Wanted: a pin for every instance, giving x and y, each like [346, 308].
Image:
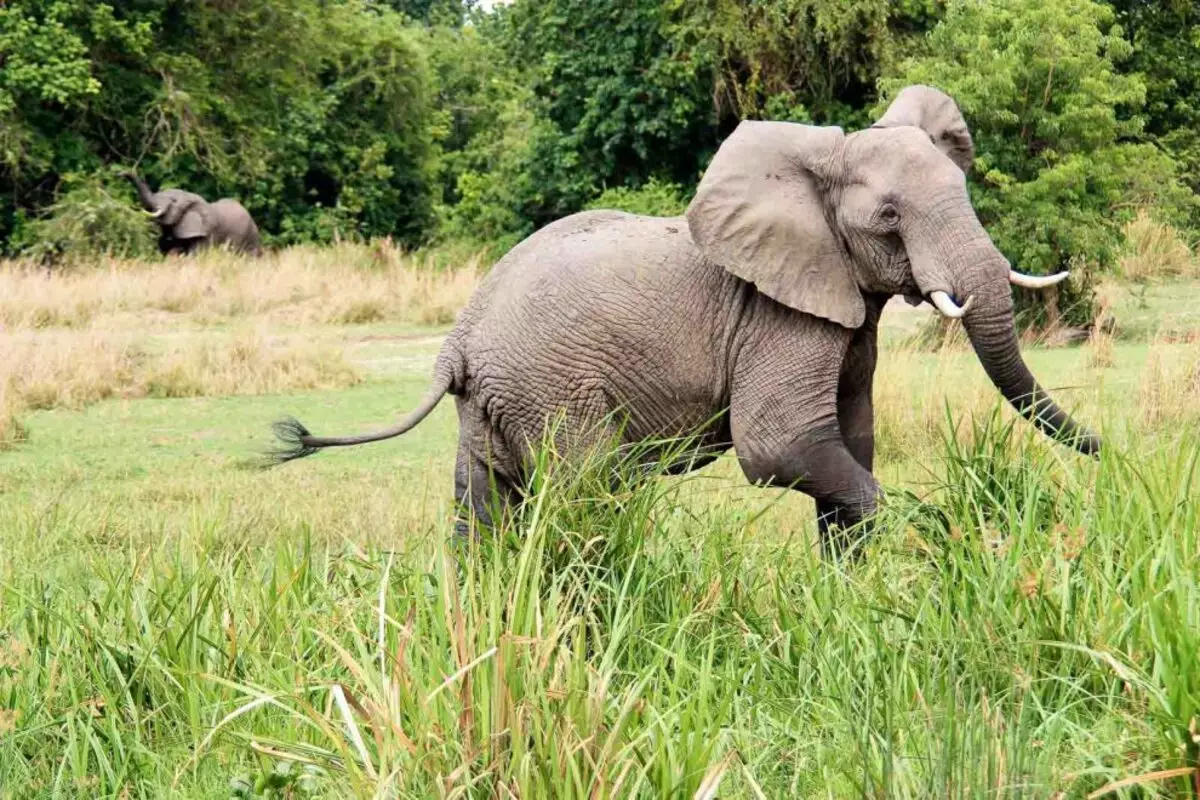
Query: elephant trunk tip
[293, 437]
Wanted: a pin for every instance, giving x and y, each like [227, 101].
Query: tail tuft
[291, 434]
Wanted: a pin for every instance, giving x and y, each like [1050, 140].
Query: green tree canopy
[315, 113]
[1060, 160]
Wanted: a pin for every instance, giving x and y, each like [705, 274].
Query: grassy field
[174, 622]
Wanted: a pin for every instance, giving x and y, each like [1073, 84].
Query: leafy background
[435, 122]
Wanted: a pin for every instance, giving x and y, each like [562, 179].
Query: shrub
[87, 222]
[655, 198]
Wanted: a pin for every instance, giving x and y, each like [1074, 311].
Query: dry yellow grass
[1169, 392]
[12, 432]
[80, 336]
[343, 285]
[1156, 250]
[912, 396]
[72, 369]
[1100, 343]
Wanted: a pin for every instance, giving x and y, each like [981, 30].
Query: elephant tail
[297, 442]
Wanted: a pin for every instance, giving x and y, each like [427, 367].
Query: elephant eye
[889, 214]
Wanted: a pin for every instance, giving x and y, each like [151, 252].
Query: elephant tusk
[1034, 281]
[155, 214]
[945, 304]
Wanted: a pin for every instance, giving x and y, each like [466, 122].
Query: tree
[1166, 50]
[1060, 163]
[628, 93]
[314, 113]
[621, 97]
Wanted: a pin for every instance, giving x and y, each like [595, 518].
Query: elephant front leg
[855, 412]
[821, 466]
[787, 430]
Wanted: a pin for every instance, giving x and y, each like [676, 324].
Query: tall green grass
[1031, 626]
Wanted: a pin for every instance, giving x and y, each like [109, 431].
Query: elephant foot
[844, 531]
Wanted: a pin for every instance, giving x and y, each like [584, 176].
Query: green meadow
[175, 622]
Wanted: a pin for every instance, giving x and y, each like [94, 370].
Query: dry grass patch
[346, 284]
[1169, 392]
[67, 369]
[12, 431]
[1100, 342]
[913, 391]
[1156, 250]
[247, 364]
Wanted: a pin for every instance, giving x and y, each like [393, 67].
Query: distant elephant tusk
[948, 307]
[1034, 281]
[155, 214]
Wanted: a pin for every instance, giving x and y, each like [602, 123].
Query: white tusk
[1034, 281]
[948, 307]
[155, 214]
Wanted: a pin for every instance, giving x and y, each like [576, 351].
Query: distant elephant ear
[936, 113]
[192, 224]
[758, 212]
[185, 215]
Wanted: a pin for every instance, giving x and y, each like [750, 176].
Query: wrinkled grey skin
[187, 221]
[759, 308]
[938, 115]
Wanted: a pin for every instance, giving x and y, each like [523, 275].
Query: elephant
[188, 222]
[758, 309]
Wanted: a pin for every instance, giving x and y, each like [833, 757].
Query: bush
[87, 222]
[1057, 172]
[654, 199]
[315, 115]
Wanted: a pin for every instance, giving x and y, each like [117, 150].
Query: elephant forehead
[892, 154]
[179, 195]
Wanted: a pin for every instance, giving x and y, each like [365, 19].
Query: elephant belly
[579, 411]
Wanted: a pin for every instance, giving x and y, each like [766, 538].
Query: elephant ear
[758, 213]
[186, 216]
[936, 113]
[193, 224]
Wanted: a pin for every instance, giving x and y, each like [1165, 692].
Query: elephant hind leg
[481, 496]
[485, 488]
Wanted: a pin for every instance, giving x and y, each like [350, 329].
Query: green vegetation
[435, 122]
[174, 622]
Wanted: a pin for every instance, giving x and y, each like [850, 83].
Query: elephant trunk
[992, 330]
[145, 196]
[957, 266]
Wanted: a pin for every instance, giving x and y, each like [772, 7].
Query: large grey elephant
[187, 221]
[759, 308]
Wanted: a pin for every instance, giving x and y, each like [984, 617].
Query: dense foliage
[316, 115]
[433, 120]
[1060, 165]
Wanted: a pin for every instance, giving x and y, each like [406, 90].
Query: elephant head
[816, 218]
[182, 215]
[936, 113]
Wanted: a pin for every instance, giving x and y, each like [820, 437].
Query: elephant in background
[188, 222]
[758, 308]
